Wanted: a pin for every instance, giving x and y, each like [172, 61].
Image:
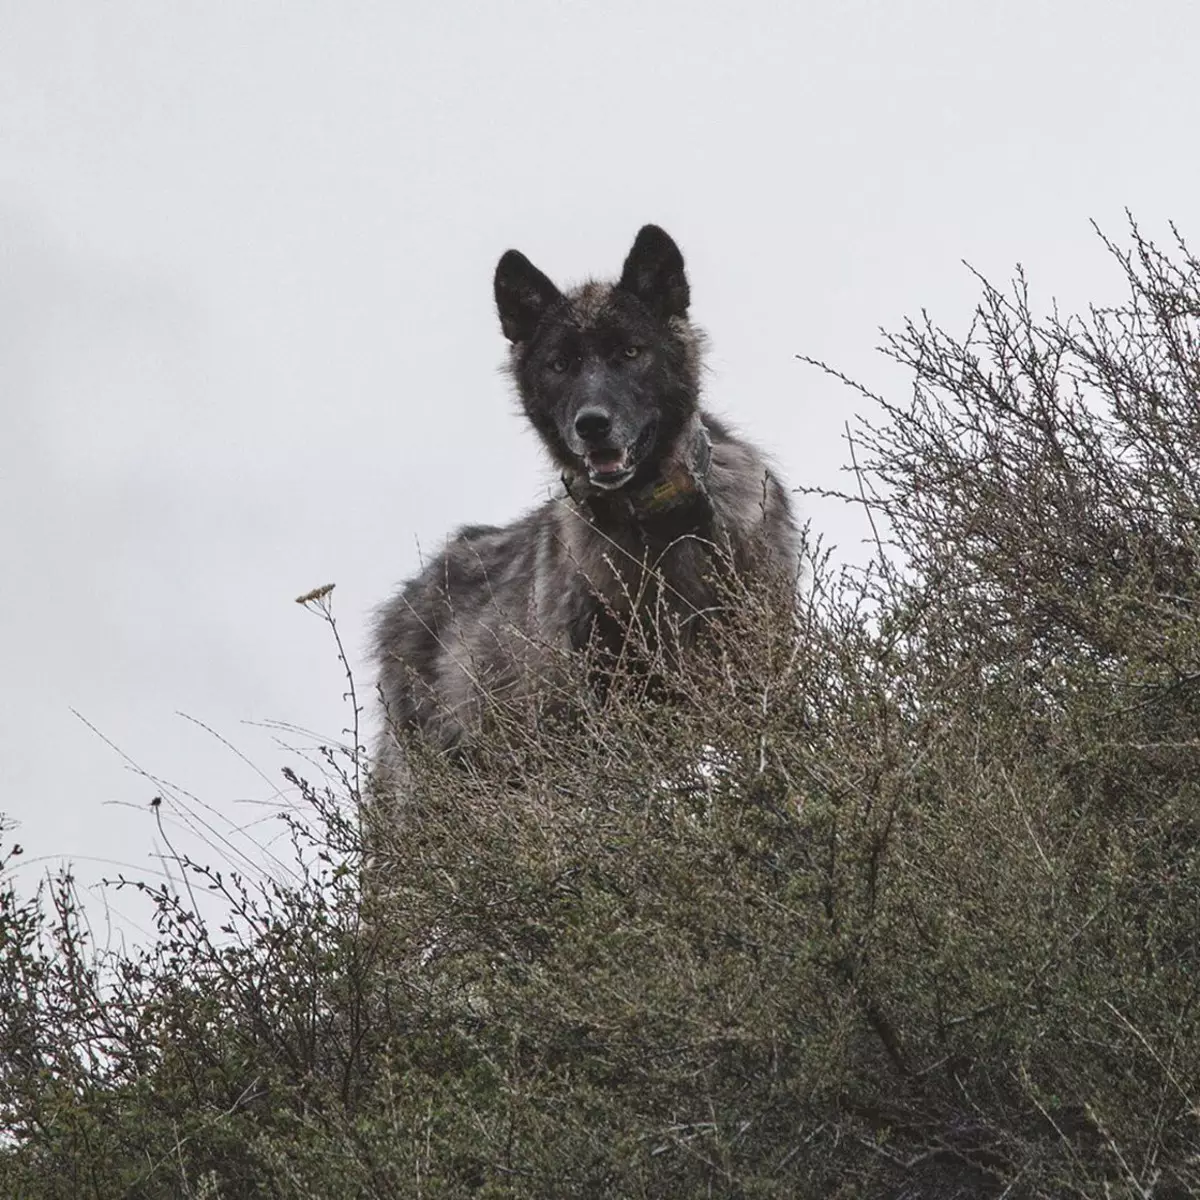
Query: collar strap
[681, 483]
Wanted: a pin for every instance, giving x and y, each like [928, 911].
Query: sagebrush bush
[895, 895]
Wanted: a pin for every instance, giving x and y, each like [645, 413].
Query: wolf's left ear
[654, 273]
[523, 294]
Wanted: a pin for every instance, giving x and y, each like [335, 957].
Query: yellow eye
[632, 351]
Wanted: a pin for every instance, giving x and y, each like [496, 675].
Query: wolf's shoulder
[732, 450]
[473, 553]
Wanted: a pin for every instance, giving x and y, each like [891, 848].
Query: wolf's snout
[593, 424]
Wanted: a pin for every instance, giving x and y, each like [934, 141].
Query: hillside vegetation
[896, 896]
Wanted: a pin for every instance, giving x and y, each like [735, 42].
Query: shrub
[895, 896]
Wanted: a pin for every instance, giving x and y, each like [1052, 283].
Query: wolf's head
[608, 373]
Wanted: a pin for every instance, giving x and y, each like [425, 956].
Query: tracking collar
[681, 483]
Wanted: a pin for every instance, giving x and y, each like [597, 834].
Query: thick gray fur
[609, 375]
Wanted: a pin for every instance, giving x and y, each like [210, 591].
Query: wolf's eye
[560, 364]
[632, 351]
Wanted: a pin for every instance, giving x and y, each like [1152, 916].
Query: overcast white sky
[247, 343]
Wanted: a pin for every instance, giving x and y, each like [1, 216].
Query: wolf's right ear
[654, 273]
[523, 294]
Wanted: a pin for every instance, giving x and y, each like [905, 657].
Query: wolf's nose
[592, 424]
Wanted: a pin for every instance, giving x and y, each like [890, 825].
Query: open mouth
[611, 467]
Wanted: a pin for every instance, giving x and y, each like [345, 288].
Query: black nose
[592, 424]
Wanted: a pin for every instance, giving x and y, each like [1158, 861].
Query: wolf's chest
[647, 584]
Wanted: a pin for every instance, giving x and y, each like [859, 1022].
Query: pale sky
[247, 343]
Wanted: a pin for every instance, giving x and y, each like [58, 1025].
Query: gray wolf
[660, 499]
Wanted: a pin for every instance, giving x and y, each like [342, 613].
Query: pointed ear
[654, 273]
[523, 294]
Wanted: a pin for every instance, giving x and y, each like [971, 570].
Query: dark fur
[609, 376]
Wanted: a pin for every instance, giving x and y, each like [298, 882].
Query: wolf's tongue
[606, 461]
